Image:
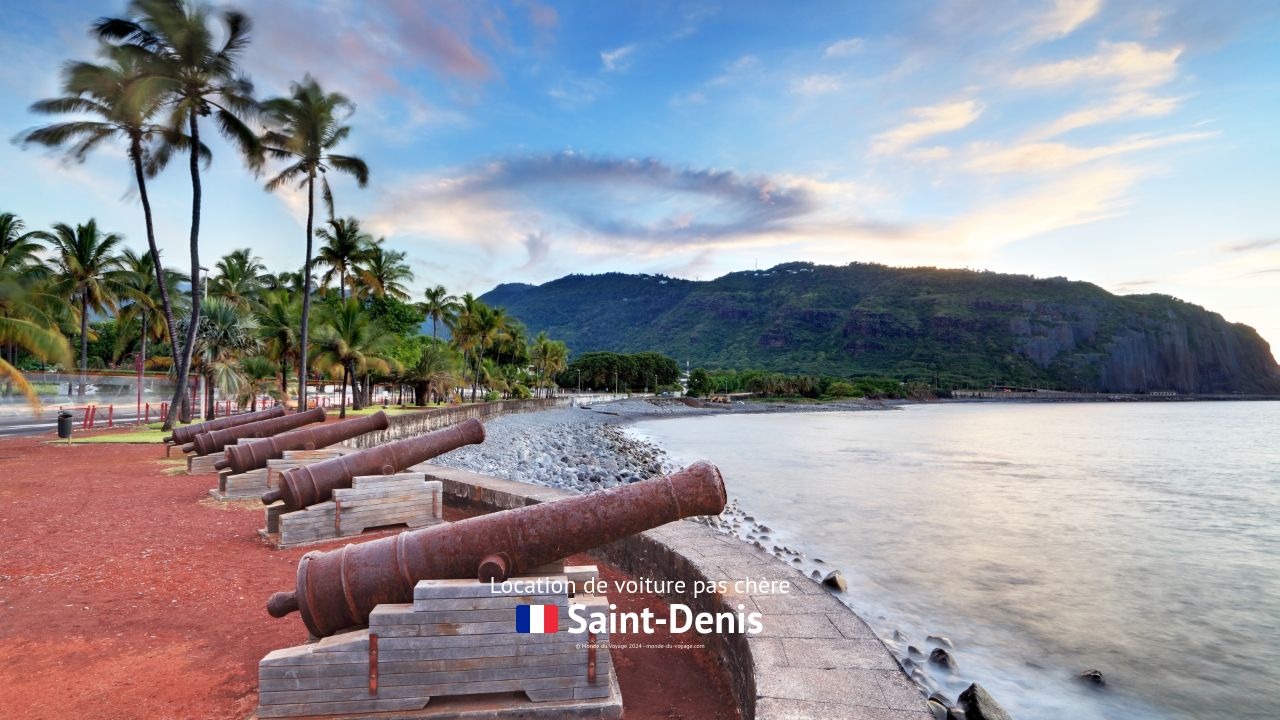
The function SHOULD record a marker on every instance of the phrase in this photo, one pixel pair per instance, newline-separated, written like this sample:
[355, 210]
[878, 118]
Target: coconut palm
[304, 129]
[384, 272]
[87, 271]
[239, 277]
[350, 340]
[124, 105]
[464, 328]
[198, 77]
[20, 249]
[279, 314]
[439, 306]
[435, 372]
[226, 333]
[19, 262]
[343, 251]
[259, 376]
[549, 357]
[140, 302]
[24, 325]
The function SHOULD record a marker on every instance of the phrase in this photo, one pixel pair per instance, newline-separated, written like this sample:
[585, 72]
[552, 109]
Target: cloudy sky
[1131, 144]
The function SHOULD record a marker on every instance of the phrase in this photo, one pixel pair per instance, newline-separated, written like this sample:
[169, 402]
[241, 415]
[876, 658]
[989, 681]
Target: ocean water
[1140, 539]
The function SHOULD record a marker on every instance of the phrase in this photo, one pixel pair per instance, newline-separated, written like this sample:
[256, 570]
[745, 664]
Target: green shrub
[842, 389]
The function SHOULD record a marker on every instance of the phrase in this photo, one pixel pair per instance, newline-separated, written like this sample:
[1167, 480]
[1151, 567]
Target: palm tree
[87, 271]
[464, 329]
[440, 306]
[19, 262]
[278, 317]
[225, 334]
[259, 374]
[239, 277]
[383, 272]
[304, 129]
[488, 325]
[24, 325]
[435, 372]
[549, 357]
[139, 294]
[20, 249]
[125, 104]
[343, 252]
[352, 341]
[198, 78]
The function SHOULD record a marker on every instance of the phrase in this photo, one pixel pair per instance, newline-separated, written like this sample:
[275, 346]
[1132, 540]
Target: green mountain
[964, 327]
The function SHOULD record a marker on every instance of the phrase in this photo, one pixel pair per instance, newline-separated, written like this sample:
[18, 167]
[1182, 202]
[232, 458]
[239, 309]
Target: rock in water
[1093, 677]
[942, 658]
[939, 711]
[978, 704]
[835, 580]
[942, 640]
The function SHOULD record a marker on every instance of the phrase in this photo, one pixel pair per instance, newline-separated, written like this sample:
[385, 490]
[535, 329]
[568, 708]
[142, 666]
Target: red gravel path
[125, 594]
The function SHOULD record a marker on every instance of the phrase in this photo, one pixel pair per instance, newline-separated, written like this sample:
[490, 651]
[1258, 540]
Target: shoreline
[587, 448]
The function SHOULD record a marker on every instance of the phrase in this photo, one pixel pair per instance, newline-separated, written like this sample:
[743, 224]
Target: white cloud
[1123, 107]
[1127, 64]
[844, 48]
[930, 121]
[816, 85]
[1064, 18]
[616, 60]
[1077, 199]
[1045, 156]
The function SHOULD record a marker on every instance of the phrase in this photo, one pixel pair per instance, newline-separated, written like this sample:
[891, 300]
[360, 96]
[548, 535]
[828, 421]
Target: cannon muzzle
[253, 455]
[339, 588]
[314, 483]
[183, 434]
[211, 442]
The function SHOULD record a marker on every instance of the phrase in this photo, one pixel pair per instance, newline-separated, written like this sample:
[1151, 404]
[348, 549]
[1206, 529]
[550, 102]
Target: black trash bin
[64, 425]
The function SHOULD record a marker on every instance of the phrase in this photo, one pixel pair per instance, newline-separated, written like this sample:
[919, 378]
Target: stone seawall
[815, 659]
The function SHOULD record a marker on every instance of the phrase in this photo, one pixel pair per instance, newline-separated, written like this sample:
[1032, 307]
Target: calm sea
[1141, 539]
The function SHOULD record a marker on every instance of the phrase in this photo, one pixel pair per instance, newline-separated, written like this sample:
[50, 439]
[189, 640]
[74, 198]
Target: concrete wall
[814, 660]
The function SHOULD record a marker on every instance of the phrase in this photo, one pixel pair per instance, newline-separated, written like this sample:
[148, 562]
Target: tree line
[165, 70]
[247, 340]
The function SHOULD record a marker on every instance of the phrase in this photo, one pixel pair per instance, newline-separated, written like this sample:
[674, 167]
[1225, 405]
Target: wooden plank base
[374, 501]
[457, 638]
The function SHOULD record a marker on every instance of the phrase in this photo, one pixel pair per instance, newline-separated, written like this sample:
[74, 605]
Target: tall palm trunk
[209, 410]
[284, 376]
[342, 411]
[84, 338]
[306, 295]
[135, 153]
[142, 365]
[189, 344]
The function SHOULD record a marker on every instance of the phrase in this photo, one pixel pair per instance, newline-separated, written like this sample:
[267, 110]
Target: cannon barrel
[211, 442]
[314, 483]
[184, 433]
[339, 588]
[253, 455]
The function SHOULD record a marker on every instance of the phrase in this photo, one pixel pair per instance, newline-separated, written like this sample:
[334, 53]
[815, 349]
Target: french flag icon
[537, 618]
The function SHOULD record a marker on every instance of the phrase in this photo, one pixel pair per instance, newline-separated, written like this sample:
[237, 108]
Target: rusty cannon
[338, 589]
[211, 442]
[311, 484]
[184, 433]
[253, 455]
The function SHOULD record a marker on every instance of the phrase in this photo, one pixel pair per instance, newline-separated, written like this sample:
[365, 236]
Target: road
[14, 425]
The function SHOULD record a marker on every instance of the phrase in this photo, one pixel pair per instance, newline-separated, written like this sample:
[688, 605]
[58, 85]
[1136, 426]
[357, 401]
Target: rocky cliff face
[961, 327]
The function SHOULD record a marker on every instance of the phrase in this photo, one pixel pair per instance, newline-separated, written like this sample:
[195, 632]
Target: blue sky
[1131, 144]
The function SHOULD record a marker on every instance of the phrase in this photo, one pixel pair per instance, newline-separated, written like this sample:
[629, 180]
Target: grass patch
[155, 436]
